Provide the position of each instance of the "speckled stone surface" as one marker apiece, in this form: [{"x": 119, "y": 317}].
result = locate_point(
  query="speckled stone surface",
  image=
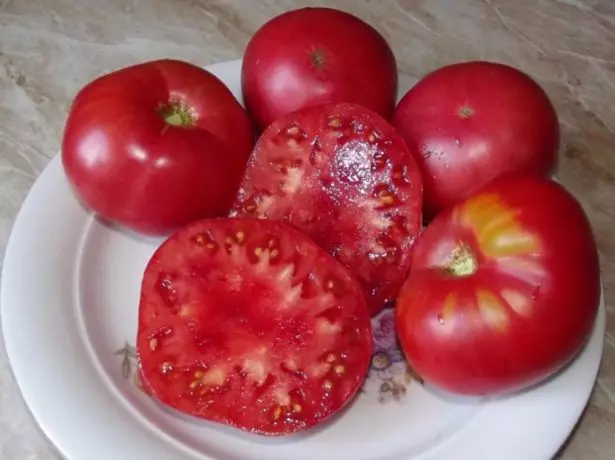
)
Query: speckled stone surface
[{"x": 50, "y": 48}]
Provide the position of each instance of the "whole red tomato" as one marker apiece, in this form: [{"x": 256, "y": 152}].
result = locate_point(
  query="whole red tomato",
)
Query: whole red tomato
[
  {"x": 471, "y": 122},
  {"x": 156, "y": 145},
  {"x": 503, "y": 289},
  {"x": 311, "y": 56}
]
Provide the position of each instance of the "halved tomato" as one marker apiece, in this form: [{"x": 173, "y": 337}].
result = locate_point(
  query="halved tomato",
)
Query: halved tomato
[
  {"x": 249, "y": 323},
  {"x": 341, "y": 174},
  {"x": 503, "y": 290}
]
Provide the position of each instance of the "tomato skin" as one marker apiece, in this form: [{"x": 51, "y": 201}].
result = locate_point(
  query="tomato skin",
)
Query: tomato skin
[
  {"x": 529, "y": 306},
  {"x": 472, "y": 122},
  {"x": 134, "y": 169},
  {"x": 250, "y": 324},
  {"x": 313, "y": 56},
  {"x": 342, "y": 175}
]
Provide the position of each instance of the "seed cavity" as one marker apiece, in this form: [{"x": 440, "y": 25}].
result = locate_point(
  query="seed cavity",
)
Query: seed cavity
[
  {"x": 250, "y": 206},
  {"x": 206, "y": 240},
  {"x": 399, "y": 174},
  {"x": 294, "y": 131},
  {"x": 399, "y": 224}
]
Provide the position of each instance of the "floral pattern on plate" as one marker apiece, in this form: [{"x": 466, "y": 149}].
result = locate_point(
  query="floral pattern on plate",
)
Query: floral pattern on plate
[{"x": 389, "y": 374}]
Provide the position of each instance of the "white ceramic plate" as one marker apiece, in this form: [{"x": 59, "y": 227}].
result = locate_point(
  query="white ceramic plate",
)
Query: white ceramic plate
[{"x": 70, "y": 289}]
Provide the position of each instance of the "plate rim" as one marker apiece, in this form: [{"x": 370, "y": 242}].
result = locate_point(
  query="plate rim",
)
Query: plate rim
[{"x": 15, "y": 246}]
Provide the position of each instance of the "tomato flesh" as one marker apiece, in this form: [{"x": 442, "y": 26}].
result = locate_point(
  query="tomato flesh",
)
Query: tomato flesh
[
  {"x": 248, "y": 323},
  {"x": 503, "y": 289},
  {"x": 342, "y": 175}
]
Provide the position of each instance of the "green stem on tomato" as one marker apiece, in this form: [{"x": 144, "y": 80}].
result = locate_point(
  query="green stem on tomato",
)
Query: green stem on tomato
[
  {"x": 177, "y": 114},
  {"x": 462, "y": 262}
]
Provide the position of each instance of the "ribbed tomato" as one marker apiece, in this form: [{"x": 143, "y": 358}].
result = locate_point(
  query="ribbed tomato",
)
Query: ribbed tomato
[{"x": 503, "y": 289}]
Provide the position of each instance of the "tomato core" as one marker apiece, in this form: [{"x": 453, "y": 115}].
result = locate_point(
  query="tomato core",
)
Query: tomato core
[
  {"x": 462, "y": 262},
  {"x": 177, "y": 114}
]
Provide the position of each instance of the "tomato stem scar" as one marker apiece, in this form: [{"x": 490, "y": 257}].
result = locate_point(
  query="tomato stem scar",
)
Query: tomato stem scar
[
  {"x": 317, "y": 57},
  {"x": 465, "y": 112},
  {"x": 177, "y": 114},
  {"x": 461, "y": 261}
]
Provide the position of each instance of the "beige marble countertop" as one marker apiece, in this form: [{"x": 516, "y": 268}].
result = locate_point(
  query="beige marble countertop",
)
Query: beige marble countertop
[{"x": 50, "y": 48}]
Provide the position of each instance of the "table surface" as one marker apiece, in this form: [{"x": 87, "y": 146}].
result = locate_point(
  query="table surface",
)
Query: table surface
[{"x": 50, "y": 48}]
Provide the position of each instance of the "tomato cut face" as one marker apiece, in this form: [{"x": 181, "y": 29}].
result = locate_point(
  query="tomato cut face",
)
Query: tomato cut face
[
  {"x": 249, "y": 323},
  {"x": 342, "y": 175}
]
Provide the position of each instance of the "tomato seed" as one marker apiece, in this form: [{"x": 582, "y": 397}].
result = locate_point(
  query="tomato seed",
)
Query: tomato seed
[
  {"x": 166, "y": 367},
  {"x": 335, "y": 123},
  {"x": 373, "y": 136},
  {"x": 193, "y": 384},
  {"x": 327, "y": 385},
  {"x": 330, "y": 358},
  {"x": 339, "y": 369},
  {"x": 205, "y": 239},
  {"x": 294, "y": 131},
  {"x": 153, "y": 344},
  {"x": 274, "y": 253},
  {"x": 387, "y": 200},
  {"x": 297, "y": 408},
  {"x": 250, "y": 206},
  {"x": 277, "y": 413},
  {"x": 240, "y": 236}
]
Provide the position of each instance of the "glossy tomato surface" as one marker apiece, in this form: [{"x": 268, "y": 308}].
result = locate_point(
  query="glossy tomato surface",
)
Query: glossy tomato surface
[
  {"x": 503, "y": 290},
  {"x": 341, "y": 174},
  {"x": 248, "y": 323},
  {"x": 156, "y": 145},
  {"x": 314, "y": 56},
  {"x": 471, "y": 122}
]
